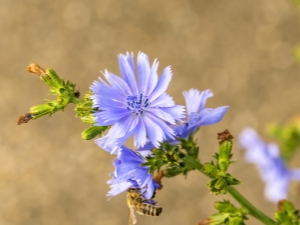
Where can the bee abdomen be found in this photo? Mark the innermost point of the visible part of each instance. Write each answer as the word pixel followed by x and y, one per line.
pixel 149 210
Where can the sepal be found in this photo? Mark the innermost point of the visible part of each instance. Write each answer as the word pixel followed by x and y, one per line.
pixel 166 155
pixel 85 110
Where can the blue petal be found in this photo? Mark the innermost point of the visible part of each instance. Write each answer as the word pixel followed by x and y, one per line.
pixel 153 78
pixel 143 68
pixel 118 188
pixel 192 100
pixel 117 83
pixel 99 120
pixel 212 116
pixel 148 146
pixel 111 148
pixel 112 115
pixel 146 182
pixel 161 114
pixel 167 130
pixel 102 91
pixel 204 96
pixel 140 137
pixel 128 155
pixel 164 100
pixel 127 71
pixel 162 84
pixel 145 152
pixel 177 112
pixel 123 127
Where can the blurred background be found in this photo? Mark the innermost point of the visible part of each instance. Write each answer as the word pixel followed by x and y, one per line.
pixel 241 50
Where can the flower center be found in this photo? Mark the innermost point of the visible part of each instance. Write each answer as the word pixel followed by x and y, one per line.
pixel 137 103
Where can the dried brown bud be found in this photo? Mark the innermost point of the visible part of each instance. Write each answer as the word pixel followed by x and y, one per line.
pixel 280 203
pixel 24 119
pixel 157 176
pixel 224 136
pixel 35 68
pixel 204 222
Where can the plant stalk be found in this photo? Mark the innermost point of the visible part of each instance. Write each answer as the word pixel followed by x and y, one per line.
pixel 253 211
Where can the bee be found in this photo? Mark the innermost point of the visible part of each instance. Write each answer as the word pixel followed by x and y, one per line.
pixel 136 202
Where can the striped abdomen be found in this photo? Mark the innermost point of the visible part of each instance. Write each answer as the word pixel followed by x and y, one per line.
pixel 148 209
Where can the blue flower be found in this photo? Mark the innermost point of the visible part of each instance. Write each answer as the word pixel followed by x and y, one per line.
pixel 197 114
pixel 141 108
pixel 271 166
pixel 129 173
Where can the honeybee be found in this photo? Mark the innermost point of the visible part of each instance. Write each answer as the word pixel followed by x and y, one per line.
pixel 136 202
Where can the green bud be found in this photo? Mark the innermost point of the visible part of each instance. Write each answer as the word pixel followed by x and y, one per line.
pixel 221 183
pixel 190 146
pixel 224 155
pixel 236 221
pixel 218 218
pixel 88 119
pixel 45 109
pixel 287 215
pixel 211 170
pixel 225 206
pixel 93 132
pixel 228 214
pixel 84 109
pixel 281 216
pixel 54 76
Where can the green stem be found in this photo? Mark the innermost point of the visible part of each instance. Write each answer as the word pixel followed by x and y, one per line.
pixel 253 211
pixel 234 193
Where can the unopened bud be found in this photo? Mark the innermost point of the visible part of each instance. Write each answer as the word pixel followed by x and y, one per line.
pixel 35 68
pixel 225 141
pixel 44 109
pixel 92 132
pixel 225 206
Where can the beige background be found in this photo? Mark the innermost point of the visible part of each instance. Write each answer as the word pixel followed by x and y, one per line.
pixel 242 50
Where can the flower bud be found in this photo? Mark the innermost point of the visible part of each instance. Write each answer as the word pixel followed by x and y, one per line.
pixel 224 206
pixel 92 132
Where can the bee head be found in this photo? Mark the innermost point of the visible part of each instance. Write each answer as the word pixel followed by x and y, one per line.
pixel 133 189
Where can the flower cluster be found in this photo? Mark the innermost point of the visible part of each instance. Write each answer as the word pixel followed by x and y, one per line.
pixel 271 166
pixel 137 105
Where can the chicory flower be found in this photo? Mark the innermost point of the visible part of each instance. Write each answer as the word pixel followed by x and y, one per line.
pixel 197 114
pixel 139 107
pixel 129 172
pixel 272 168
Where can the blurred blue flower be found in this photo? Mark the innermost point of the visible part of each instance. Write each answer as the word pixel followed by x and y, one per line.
pixel 197 114
pixel 129 173
pixel 141 108
pixel 271 166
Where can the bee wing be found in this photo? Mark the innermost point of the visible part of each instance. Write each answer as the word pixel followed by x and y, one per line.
pixel 132 217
